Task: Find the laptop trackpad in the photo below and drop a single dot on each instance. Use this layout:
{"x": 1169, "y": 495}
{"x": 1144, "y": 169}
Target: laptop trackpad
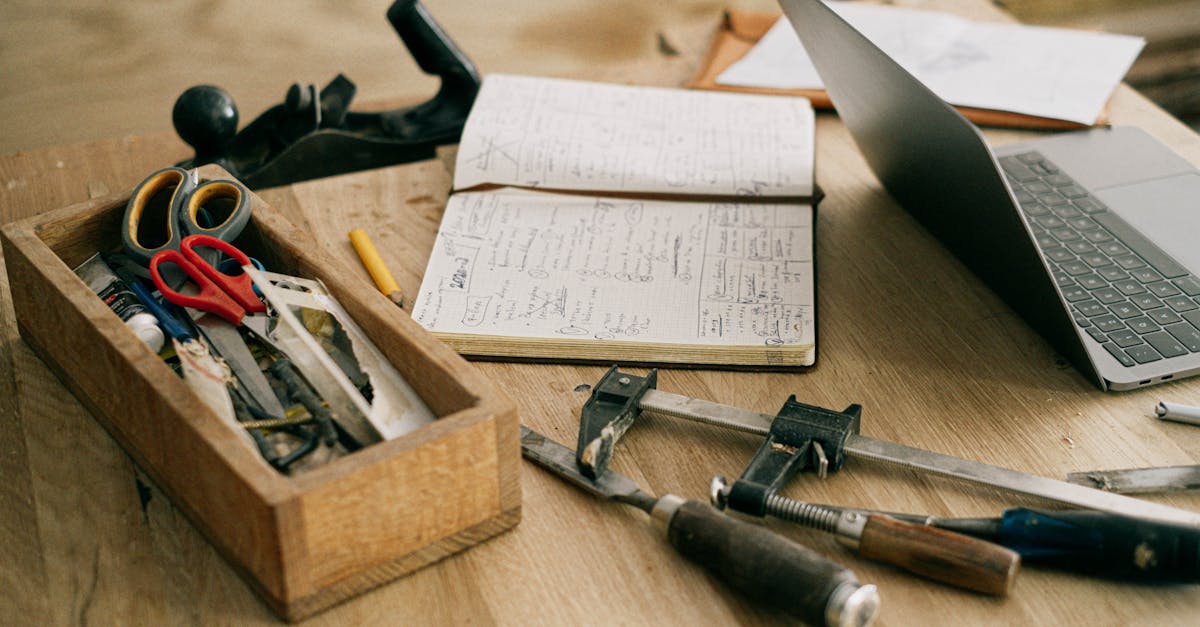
{"x": 1166, "y": 211}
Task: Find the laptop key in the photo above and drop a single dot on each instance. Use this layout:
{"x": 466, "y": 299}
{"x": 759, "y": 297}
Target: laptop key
{"x": 1075, "y": 268}
{"x": 1129, "y": 262}
{"x": 1165, "y": 344}
{"x": 1080, "y": 247}
{"x": 1091, "y": 308}
{"x": 1097, "y": 236}
{"x": 1075, "y": 294}
{"x": 1081, "y": 223}
{"x": 1045, "y": 240}
{"x": 1146, "y": 301}
{"x": 1088, "y": 204}
{"x": 1180, "y": 303}
{"x": 1063, "y": 279}
{"x": 1139, "y": 244}
{"x": 1129, "y": 287}
{"x": 1108, "y": 295}
{"x": 1124, "y": 310}
{"x": 1146, "y": 275}
{"x": 1037, "y": 187}
{"x": 1142, "y": 325}
{"x": 1023, "y": 196}
{"x": 1097, "y": 334}
{"x": 1065, "y": 235}
{"x": 1118, "y": 354}
{"x": 1163, "y": 316}
{"x": 1090, "y": 281}
{"x": 1061, "y": 254}
{"x": 1125, "y": 338}
{"x": 1108, "y": 323}
{"x": 1034, "y": 209}
{"x": 1059, "y": 180}
{"x": 1066, "y": 211}
{"x": 1186, "y": 334}
{"x": 1073, "y": 191}
{"x": 1114, "y": 273}
{"x": 1189, "y": 285}
{"x": 1082, "y": 321}
{"x": 1113, "y": 249}
{"x": 1162, "y": 289}
{"x": 1142, "y": 354}
{"x": 1050, "y": 222}
{"x": 1192, "y": 317}
{"x": 1017, "y": 170}
{"x": 1051, "y": 199}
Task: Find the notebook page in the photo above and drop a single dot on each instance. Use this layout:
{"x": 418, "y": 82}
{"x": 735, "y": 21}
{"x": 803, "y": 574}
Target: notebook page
{"x": 544, "y": 265}
{"x": 572, "y": 135}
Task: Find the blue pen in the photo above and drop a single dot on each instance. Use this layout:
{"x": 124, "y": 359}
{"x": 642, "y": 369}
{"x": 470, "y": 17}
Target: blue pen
{"x": 169, "y": 323}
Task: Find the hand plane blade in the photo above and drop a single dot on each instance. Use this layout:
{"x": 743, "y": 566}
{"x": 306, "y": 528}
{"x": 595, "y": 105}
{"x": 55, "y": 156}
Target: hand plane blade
{"x": 561, "y": 461}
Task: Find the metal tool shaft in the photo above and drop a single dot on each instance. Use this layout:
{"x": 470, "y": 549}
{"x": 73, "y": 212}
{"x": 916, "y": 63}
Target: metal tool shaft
{"x": 928, "y": 461}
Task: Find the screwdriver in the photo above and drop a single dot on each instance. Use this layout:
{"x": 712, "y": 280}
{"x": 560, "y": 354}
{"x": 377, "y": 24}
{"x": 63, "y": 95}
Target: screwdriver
{"x": 1088, "y": 541}
{"x": 759, "y": 563}
{"x": 935, "y": 553}
{"x": 1096, "y": 543}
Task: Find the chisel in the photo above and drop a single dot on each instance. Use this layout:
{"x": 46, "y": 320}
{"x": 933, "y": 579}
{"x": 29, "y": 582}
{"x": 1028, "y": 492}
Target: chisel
{"x": 759, "y": 563}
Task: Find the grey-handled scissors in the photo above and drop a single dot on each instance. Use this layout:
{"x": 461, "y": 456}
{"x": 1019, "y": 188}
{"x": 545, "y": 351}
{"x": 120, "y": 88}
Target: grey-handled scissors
{"x": 171, "y": 204}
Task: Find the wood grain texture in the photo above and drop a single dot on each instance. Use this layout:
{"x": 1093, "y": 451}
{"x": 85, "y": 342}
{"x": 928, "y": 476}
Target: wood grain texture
{"x": 94, "y": 540}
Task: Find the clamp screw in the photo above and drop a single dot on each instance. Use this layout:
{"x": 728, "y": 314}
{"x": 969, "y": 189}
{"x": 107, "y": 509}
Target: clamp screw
{"x": 623, "y": 380}
{"x": 783, "y": 508}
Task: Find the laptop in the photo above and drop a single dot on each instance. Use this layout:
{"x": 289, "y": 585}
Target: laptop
{"x": 1091, "y": 236}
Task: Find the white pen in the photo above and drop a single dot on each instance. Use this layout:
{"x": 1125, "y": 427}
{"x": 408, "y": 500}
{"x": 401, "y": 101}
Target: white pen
{"x": 1178, "y": 413}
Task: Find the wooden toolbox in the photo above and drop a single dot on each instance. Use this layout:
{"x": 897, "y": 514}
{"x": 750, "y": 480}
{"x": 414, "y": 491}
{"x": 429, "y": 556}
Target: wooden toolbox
{"x": 304, "y": 542}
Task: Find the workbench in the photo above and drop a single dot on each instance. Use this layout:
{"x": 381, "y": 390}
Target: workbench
{"x": 935, "y": 358}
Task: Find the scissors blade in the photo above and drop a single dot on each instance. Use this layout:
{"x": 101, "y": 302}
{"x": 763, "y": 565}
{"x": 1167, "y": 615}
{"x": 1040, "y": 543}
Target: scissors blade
{"x": 228, "y": 343}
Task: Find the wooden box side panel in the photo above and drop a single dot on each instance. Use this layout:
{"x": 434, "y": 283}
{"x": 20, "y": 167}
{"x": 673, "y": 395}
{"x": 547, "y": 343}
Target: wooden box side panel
{"x": 406, "y": 510}
{"x": 205, "y": 469}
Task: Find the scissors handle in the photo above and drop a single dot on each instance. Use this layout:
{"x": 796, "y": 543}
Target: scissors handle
{"x": 151, "y": 222}
{"x": 237, "y": 286}
{"x": 211, "y": 297}
{"x": 217, "y": 208}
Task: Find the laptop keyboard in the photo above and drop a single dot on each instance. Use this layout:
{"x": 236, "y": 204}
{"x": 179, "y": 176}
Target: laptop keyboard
{"x": 1124, "y": 291}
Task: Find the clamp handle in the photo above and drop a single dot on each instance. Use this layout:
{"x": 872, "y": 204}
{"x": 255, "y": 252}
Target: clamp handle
{"x": 802, "y": 436}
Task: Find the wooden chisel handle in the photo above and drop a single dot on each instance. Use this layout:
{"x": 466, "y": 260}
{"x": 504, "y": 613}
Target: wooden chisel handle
{"x": 940, "y": 555}
{"x": 766, "y": 566}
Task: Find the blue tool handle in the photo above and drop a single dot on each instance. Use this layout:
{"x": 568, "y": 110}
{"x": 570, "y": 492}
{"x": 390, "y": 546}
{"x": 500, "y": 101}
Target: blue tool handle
{"x": 1103, "y": 544}
{"x": 169, "y": 323}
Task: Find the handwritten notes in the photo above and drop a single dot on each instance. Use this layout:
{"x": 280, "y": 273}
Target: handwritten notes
{"x": 571, "y": 135}
{"x": 555, "y": 266}
{"x": 1047, "y": 72}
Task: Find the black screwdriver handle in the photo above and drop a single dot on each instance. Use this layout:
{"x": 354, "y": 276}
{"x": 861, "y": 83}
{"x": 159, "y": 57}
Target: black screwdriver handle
{"x": 768, "y": 567}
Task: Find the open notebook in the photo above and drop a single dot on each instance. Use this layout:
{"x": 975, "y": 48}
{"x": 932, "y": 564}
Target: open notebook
{"x": 611, "y": 223}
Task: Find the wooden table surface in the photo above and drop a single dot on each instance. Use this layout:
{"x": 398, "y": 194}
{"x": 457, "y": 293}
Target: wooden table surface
{"x": 935, "y": 358}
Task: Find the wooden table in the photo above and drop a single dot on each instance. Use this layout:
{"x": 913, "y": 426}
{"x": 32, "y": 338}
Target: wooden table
{"x": 936, "y": 360}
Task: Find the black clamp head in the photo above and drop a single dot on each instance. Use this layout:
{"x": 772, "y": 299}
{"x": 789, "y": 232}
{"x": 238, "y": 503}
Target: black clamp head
{"x": 607, "y": 415}
{"x": 802, "y": 436}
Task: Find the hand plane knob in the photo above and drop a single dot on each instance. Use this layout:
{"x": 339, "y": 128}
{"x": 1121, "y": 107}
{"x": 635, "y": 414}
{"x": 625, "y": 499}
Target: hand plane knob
{"x": 206, "y": 118}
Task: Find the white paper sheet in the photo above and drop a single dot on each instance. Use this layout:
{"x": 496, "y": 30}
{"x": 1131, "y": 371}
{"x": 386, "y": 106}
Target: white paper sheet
{"x": 543, "y": 265}
{"x": 1046, "y": 72}
{"x": 573, "y": 135}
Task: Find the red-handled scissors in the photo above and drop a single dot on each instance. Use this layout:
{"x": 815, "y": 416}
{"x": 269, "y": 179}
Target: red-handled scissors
{"x": 229, "y": 296}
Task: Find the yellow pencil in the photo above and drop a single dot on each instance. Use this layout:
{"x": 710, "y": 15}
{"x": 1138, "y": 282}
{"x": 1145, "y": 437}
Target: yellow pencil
{"x": 374, "y": 263}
